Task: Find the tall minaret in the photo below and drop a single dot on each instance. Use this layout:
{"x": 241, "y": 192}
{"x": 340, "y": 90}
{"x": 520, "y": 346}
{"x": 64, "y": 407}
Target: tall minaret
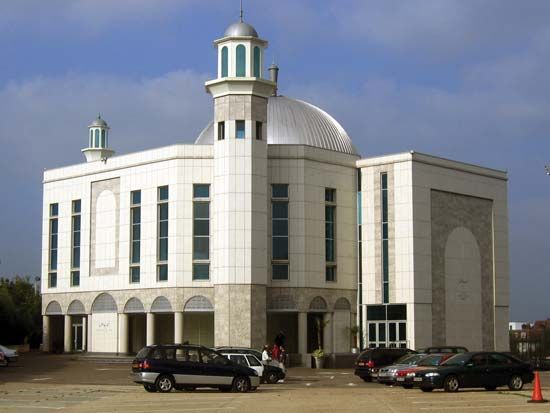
{"x": 98, "y": 140}
{"x": 240, "y": 203}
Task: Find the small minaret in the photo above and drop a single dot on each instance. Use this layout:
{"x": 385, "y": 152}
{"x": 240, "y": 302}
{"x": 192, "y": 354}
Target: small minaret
{"x": 98, "y": 141}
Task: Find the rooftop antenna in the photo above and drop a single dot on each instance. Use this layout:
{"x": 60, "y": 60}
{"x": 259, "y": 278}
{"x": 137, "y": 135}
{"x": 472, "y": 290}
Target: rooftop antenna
{"x": 241, "y": 11}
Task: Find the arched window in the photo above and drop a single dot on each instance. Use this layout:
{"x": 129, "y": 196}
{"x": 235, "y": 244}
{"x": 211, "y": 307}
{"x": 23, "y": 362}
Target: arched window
{"x": 97, "y": 138}
{"x": 241, "y": 61}
{"x": 103, "y": 138}
{"x": 256, "y": 61}
{"x": 224, "y": 61}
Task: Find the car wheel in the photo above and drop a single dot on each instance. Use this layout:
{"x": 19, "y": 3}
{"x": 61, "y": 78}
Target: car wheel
{"x": 272, "y": 378}
{"x": 451, "y": 383}
{"x": 490, "y": 388}
{"x": 426, "y": 389}
{"x": 241, "y": 384}
{"x": 165, "y": 383}
{"x": 515, "y": 383}
{"x": 150, "y": 388}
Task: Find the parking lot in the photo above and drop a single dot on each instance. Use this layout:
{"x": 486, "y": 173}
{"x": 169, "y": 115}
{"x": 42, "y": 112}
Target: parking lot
{"x": 59, "y": 383}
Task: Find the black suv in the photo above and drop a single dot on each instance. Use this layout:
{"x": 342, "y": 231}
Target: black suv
{"x": 186, "y": 367}
{"x": 371, "y": 360}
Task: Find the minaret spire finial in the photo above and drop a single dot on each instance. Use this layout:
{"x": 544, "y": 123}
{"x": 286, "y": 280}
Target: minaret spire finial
{"x": 241, "y": 11}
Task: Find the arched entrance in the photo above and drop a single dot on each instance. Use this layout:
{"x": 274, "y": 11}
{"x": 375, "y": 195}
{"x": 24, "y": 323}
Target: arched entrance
{"x": 164, "y": 320}
{"x": 78, "y": 321}
{"x": 135, "y": 312}
{"x": 317, "y": 321}
{"x": 282, "y": 315}
{"x": 198, "y": 321}
{"x": 53, "y": 327}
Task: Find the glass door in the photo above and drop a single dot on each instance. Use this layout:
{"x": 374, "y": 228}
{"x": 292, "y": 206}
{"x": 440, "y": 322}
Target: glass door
{"x": 387, "y": 334}
{"x": 77, "y": 337}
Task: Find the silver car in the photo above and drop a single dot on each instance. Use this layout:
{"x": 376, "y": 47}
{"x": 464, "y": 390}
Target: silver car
{"x": 10, "y": 355}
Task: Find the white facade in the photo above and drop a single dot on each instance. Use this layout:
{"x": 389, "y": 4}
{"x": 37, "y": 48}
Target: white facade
{"x": 234, "y": 291}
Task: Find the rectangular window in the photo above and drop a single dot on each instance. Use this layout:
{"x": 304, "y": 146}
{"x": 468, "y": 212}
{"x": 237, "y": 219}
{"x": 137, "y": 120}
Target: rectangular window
{"x": 162, "y": 234}
{"x": 330, "y": 234}
{"x": 221, "y": 131}
{"x": 135, "y": 236}
{"x": 259, "y": 131}
{"x": 279, "y": 231}
{"x": 240, "y": 129}
{"x": 201, "y": 232}
{"x": 385, "y": 239}
{"x": 75, "y": 247}
{"x": 52, "y": 255}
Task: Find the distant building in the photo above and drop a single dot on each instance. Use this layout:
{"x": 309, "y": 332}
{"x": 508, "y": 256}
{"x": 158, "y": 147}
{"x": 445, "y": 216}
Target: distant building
{"x": 271, "y": 221}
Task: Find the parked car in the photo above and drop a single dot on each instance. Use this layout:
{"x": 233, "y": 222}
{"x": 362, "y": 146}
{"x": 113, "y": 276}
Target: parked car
{"x": 371, "y": 360}
{"x": 239, "y": 350}
{"x": 3, "y": 361}
{"x": 443, "y": 349}
{"x": 406, "y": 377}
{"x": 480, "y": 369}
{"x": 185, "y": 367}
{"x": 268, "y": 373}
{"x": 387, "y": 375}
{"x": 10, "y": 355}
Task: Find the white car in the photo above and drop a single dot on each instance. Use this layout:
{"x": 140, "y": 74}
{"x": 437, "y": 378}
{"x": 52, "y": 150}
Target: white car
{"x": 247, "y": 360}
{"x": 10, "y": 356}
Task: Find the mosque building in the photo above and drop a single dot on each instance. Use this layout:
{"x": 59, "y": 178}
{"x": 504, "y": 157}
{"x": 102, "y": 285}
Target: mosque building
{"x": 271, "y": 221}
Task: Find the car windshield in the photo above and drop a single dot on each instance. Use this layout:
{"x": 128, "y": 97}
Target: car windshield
{"x": 410, "y": 359}
{"x": 431, "y": 360}
{"x": 458, "y": 360}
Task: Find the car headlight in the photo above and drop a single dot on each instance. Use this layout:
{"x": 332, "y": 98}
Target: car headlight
{"x": 433, "y": 374}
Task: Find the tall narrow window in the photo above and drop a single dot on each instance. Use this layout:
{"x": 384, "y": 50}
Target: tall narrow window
{"x": 135, "y": 236}
{"x": 256, "y": 61}
{"x": 52, "y": 265}
{"x": 279, "y": 233}
{"x": 259, "y": 131}
{"x": 162, "y": 232}
{"x": 75, "y": 254}
{"x": 91, "y": 138}
{"x": 224, "y": 61}
{"x": 385, "y": 239}
{"x": 103, "y": 138}
{"x": 240, "y": 129}
{"x": 221, "y": 131}
{"x": 330, "y": 234}
{"x": 241, "y": 61}
{"x": 97, "y": 138}
{"x": 201, "y": 232}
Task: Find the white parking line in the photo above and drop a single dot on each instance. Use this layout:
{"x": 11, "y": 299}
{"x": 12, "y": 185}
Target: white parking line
{"x": 203, "y": 409}
{"x": 463, "y": 401}
{"x": 32, "y": 407}
{"x": 42, "y": 378}
{"x": 470, "y": 407}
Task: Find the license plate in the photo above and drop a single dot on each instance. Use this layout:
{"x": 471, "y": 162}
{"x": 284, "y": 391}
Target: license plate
{"x": 401, "y": 379}
{"x": 418, "y": 379}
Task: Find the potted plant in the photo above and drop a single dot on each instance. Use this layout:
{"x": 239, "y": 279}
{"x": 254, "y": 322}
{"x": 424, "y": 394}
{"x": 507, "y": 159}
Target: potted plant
{"x": 354, "y": 330}
{"x": 319, "y": 356}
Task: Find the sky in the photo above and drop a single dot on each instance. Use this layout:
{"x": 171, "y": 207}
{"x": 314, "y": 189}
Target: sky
{"x": 462, "y": 79}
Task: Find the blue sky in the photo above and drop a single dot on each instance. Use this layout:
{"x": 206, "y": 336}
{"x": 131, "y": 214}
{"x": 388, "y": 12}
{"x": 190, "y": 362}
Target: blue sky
{"x": 463, "y": 79}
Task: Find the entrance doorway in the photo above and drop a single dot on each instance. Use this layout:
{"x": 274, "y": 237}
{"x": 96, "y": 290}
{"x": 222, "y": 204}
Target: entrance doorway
{"x": 315, "y": 331}
{"x": 387, "y": 334}
{"x": 78, "y": 337}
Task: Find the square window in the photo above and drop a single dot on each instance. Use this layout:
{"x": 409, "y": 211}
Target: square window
{"x": 75, "y": 278}
{"x": 239, "y": 126}
{"x": 201, "y": 191}
{"x": 279, "y": 191}
{"x": 163, "y": 193}
{"x": 54, "y": 210}
{"x": 259, "y": 131}
{"x": 201, "y": 210}
{"x": 279, "y": 271}
{"x": 134, "y": 275}
{"x": 76, "y": 206}
{"x": 135, "y": 197}
{"x": 162, "y": 272}
{"x": 221, "y": 131}
{"x": 330, "y": 195}
{"x": 201, "y": 272}
{"x": 330, "y": 274}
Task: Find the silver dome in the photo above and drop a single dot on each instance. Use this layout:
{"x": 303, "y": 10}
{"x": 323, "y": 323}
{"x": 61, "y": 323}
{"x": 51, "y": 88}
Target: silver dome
{"x": 99, "y": 122}
{"x": 295, "y": 122}
{"x": 240, "y": 29}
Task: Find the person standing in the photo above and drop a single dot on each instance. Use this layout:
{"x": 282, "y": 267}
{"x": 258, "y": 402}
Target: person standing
{"x": 280, "y": 339}
{"x": 266, "y": 356}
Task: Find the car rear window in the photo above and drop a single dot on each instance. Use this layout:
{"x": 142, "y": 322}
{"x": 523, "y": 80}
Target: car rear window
{"x": 143, "y": 352}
